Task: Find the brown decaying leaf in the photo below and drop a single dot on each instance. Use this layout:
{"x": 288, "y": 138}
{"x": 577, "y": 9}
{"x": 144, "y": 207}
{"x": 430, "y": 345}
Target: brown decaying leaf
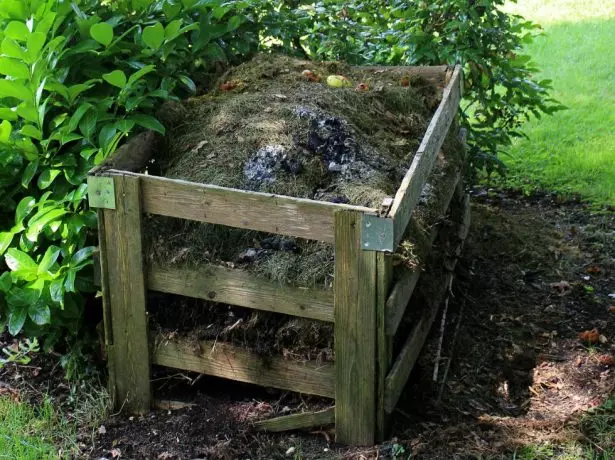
{"x": 405, "y": 81}
{"x": 606, "y": 360}
{"x": 590, "y": 337}
{"x": 611, "y": 309}
{"x": 593, "y": 269}
{"x": 228, "y": 85}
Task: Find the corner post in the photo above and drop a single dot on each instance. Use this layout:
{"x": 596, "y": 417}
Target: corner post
{"x": 125, "y": 305}
{"x": 355, "y": 333}
{"x": 384, "y": 342}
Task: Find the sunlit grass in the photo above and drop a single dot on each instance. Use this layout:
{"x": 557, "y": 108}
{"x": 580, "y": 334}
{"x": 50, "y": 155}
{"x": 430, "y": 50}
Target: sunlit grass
{"x": 572, "y": 152}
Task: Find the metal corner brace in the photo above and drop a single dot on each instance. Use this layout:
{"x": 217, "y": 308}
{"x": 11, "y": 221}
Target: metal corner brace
{"x": 377, "y": 233}
{"x": 101, "y": 192}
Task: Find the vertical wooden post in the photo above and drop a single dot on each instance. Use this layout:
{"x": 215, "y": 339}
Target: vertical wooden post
{"x": 355, "y": 333}
{"x": 129, "y": 352}
{"x": 384, "y": 343}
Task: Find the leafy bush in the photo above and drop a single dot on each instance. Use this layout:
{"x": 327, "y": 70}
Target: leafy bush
{"x": 81, "y": 75}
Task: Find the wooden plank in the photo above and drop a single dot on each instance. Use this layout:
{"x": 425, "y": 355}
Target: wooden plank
{"x": 264, "y": 212}
{"x": 238, "y": 287}
{"x": 402, "y": 367}
{"x": 409, "y": 192}
{"x": 126, "y": 297}
{"x": 223, "y": 360}
{"x": 384, "y": 343}
{"x": 100, "y": 264}
{"x": 355, "y": 333}
{"x": 297, "y": 421}
{"x": 399, "y": 298}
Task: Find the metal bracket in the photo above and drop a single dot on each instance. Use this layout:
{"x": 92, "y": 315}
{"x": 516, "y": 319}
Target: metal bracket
{"x": 377, "y": 233}
{"x": 101, "y": 192}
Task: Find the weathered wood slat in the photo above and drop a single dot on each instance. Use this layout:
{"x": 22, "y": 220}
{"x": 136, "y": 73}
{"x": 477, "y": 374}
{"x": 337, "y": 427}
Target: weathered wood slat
{"x": 230, "y": 362}
{"x": 126, "y": 297}
{"x": 409, "y": 192}
{"x": 399, "y": 298}
{"x": 402, "y": 367}
{"x": 237, "y": 287}
{"x": 384, "y": 343}
{"x": 405, "y": 285}
{"x": 355, "y": 333}
{"x": 264, "y": 212}
{"x": 297, "y": 421}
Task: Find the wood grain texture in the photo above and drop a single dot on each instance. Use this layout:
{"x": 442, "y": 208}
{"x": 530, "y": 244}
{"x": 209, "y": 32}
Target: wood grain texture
{"x": 355, "y": 333}
{"x": 230, "y": 362}
{"x": 238, "y": 287}
{"x": 409, "y": 192}
{"x": 126, "y": 297}
{"x": 399, "y": 298}
{"x": 402, "y": 367}
{"x": 101, "y": 278}
{"x": 297, "y": 421}
{"x": 264, "y": 212}
{"x": 384, "y": 343}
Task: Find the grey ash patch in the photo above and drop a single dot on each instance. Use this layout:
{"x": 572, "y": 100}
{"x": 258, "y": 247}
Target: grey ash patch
{"x": 261, "y": 168}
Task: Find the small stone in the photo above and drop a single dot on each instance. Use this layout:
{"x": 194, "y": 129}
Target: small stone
{"x": 102, "y": 429}
{"x": 290, "y": 451}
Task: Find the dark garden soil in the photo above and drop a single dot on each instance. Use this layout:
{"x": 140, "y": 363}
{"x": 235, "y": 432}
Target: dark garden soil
{"x": 535, "y": 280}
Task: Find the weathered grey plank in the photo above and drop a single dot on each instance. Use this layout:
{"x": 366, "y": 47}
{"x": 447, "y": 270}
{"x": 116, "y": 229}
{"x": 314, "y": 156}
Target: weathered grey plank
{"x": 409, "y": 192}
{"x": 237, "y": 287}
{"x": 230, "y": 362}
{"x": 355, "y": 333}
{"x": 297, "y": 421}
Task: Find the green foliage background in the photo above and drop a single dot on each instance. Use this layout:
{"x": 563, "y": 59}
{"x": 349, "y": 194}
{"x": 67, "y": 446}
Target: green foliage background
{"x": 79, "y": 76}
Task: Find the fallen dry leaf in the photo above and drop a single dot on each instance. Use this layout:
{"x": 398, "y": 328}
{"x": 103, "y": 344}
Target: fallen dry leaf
{"x": 228, "y": 86}
{"x": 562, "y": 288}
{"x": 590, "y": 337}
{"x": 611, "y": 309}
{"x": 361, "y": 87}
{"x": 593, "y": 269}
{"x": 405, "y": 81}
{"x": 606, "y": 360}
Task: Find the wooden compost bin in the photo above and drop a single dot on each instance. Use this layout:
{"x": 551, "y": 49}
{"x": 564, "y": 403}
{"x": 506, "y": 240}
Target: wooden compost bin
{"x": 365, "y": 380}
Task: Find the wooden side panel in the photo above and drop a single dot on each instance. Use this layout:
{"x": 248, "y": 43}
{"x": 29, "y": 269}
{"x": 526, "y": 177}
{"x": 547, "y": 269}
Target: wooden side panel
{"x": 297, "y": 421}
{"x": 127, "y": 297}
{"x": 397, "y": 378}
{"x": 399, "y": 298}
{"x": 238, "y": 287}
{"x": 238, "y": 208}
{"x": 355, "y": 333}
{"x": 410, "y": 190}
{"x": 224, "y": 360}
{"x": 384, "y": 272}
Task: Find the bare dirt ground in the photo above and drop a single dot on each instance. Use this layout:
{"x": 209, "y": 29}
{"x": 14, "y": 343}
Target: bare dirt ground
{"x": 533, "y": 353}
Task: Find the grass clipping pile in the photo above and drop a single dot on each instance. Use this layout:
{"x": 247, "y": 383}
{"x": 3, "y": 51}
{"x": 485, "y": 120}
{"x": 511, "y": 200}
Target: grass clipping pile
{"x": 278, "y": 125}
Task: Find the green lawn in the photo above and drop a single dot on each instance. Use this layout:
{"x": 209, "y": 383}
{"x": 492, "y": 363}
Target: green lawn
{"x": 572, "y": 152}
{"x": 24, "y": 433}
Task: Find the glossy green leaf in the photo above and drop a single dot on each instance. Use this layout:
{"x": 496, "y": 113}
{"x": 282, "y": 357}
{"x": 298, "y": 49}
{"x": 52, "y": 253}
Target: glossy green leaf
{"x": 12, "y": 49}
{"x": 116, "y": 78}
{"x": 31, "y": 131}
{"x": 17, "y": 30}
{"x": 172, "y": 29}
{"x": 11, "y": 88}
{"x": 19, "y": 260}
{"x": 47, "y": 177}
{"x": 87, "y": 125}
{"x": 148, "y": 122}
{"x": 13, "y": 68}
{"x": 29, "y": 173}
{"x": 5, "y": 241}
{"x": 17, "y": 318}
{"x": 51, "y": 256}
{"x": 154, "y": 35}
{"x": 36, "y": 42}
{"x": 78, "y": 115}
{"x": 24, "y": 208}
{"x": 188, "y": 83}
{"x": 39, "y": 313}
{"x": 102, "y": 33}
{"x": 140, "y": 73}
{"x": 171, "y": 9}
{"x": 36, "y": 226}
{"x": 5, "y": 282}
{"x": 6, "y": 128}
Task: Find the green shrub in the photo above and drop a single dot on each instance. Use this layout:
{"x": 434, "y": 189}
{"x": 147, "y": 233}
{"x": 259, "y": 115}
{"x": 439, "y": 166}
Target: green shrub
{"x": 79, "y": 77}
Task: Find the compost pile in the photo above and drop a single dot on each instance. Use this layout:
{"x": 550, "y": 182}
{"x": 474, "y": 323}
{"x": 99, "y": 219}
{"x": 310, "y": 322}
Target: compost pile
{"x": 275, "y": 125}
